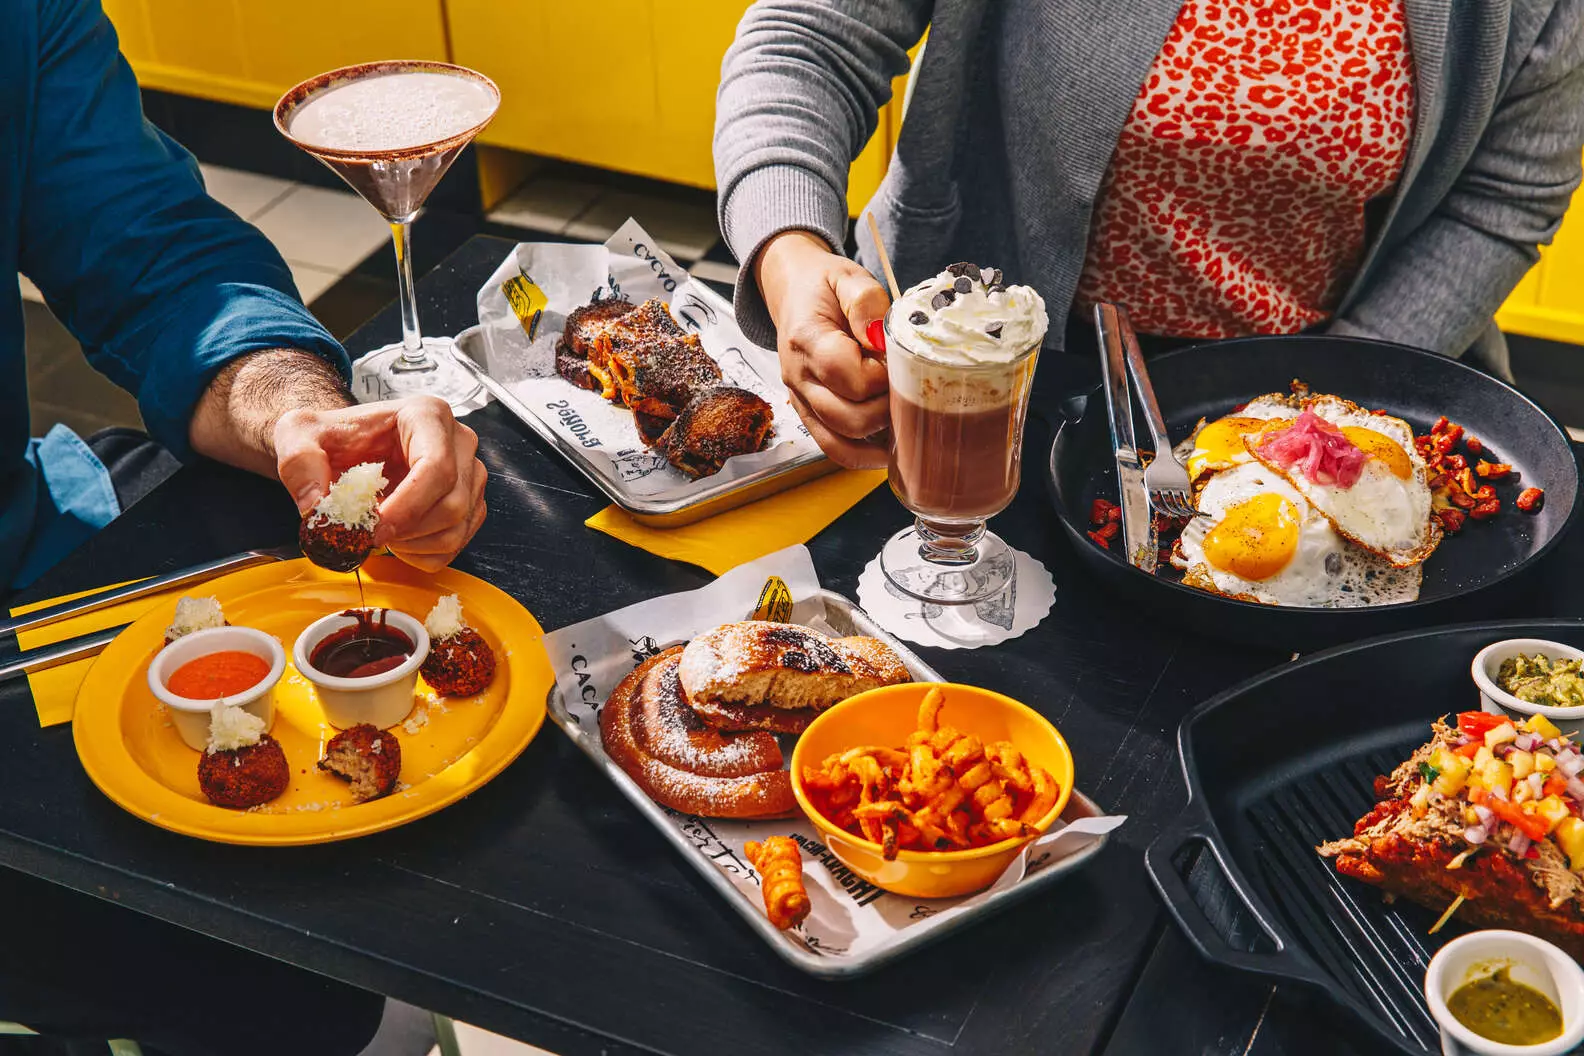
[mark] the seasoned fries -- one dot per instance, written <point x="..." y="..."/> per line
<point x="945" y="790"/>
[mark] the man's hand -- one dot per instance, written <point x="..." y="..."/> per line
<point x="288" y="414"/>
<point x="435" y="502"/>
<point x="822" y="305"/>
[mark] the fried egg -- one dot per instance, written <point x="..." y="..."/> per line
<point x="1218" y="445"/>
<point x="1387" y="510"/>
<point x="1261" y="540"/>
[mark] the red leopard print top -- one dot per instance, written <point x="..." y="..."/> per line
<point x="1235" y="200"/>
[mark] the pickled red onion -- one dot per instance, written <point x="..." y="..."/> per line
<point x="1318" y="448"/>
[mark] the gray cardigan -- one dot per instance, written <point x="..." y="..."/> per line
<point x="1016" y="108"/>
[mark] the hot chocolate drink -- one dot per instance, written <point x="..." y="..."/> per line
<point x="960" y="353"/>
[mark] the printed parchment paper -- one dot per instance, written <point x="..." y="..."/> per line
<point x="523" y="309"/>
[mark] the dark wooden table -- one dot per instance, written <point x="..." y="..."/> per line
<point x="545" y="908"/>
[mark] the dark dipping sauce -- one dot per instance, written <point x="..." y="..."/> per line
<point x="368" y="647"/>
<point x="1496" y="1007"/>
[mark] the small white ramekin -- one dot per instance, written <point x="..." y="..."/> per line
<point x="381" y="700"/>
<point x="191" y="717"/>
<point x="1494" y="699"/>
<point x="1533" y="962"/>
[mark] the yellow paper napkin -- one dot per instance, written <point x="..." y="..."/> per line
<point x="55" y="690"/>
<point x="724" y="541"/>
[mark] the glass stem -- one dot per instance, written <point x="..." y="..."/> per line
<point x="412" y="355"/>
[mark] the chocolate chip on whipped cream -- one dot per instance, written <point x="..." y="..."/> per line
<point x="965" y="316"/>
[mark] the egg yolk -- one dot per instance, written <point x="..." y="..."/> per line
<point x="1256" y="539"/>
<point x="1381" y="446"/>
<point x="1220" y="444"/>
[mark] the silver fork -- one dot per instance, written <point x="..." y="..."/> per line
<point x="1165" y="479"/>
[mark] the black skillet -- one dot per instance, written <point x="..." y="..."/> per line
<point x="1284" y="762"/>
<point x="1209" y="380"/>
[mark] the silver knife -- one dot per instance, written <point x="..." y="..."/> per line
<point x="169" y="581"/>
<point x="1138" y="522"/>
<point x="47" y="656"/>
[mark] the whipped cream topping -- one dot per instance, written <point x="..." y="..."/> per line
<point x="967" y="316"/>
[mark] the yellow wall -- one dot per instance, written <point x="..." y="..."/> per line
<point x="624" y="84"/>
<point x="1549" y="302"/>
<point x="250" y="51"/>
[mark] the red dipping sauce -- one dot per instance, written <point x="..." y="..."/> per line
<point x="222" y="674"/>
<point x="368" y="647"/>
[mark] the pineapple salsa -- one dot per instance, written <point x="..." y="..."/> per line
<point x="1515" y="784"/>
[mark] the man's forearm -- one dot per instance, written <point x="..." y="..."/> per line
<point x="234" y="421"/>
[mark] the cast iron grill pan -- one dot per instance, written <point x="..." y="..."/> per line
<point x="1209" y="380"/>
<point x="1286" y="761"/>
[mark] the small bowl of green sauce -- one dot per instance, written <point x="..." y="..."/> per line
<point x="1531" y="676"/>
<point x="1504" y="993"/>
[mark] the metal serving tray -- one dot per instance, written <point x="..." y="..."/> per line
<point x="472" y="353"/>
<point x="842" y="617"/>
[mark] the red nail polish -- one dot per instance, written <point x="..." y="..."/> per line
<point x="875" y="331"/>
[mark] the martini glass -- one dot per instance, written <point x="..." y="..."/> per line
<point x="391" y="129"/>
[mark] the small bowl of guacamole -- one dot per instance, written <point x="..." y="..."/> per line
<point x="1531" y="676"/>
<point x="1499" y="993"/>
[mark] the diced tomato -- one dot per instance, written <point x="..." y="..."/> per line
<point x="1478" y="723"/>
<point x="1554" y="786"/>
<point x="1478" y="795"/>
<point x="1467" y="751"/>
<point x="1531" y="825"/>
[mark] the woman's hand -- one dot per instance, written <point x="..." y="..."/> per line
<point x="435" y="502"/>
<point x="822" y="305"/>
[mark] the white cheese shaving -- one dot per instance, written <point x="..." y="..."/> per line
<point x="195" y="614"/>
<point x="352" y="499"/>
<point x="445" y="619"/>
<point x="231" y="727"/>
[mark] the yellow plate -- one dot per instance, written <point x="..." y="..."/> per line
<point x="132" y="752"/>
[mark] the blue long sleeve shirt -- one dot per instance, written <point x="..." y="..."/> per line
<point x="160" y="283"/>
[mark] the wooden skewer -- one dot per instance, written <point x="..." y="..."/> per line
<point x="885" y="258"/>
<point x="1456" y="902"/>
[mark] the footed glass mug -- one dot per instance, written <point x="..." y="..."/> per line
<point x="956" y="461"/>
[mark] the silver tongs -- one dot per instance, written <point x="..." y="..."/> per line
<point x="93" y="644"/>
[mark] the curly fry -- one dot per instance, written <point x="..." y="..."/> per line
<point x="780" y="865"/>
<point x="1009" y="766"/>
<point x="930" y="709"/>
<point x="1045" y="792"/>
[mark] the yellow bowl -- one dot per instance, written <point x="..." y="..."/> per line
<point x="886" y="717"/>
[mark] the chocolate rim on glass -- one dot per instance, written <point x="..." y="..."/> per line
<point x="395" y="177"/>
<point x="956" y="461"/>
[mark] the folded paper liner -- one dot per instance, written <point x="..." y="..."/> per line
<point x="55" y="690"/>
<point x="747" y="533"/>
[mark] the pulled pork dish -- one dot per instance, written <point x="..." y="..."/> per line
<point x="1488" y="811"/>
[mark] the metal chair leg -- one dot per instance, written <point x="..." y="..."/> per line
<point x="445" y="1035"/>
